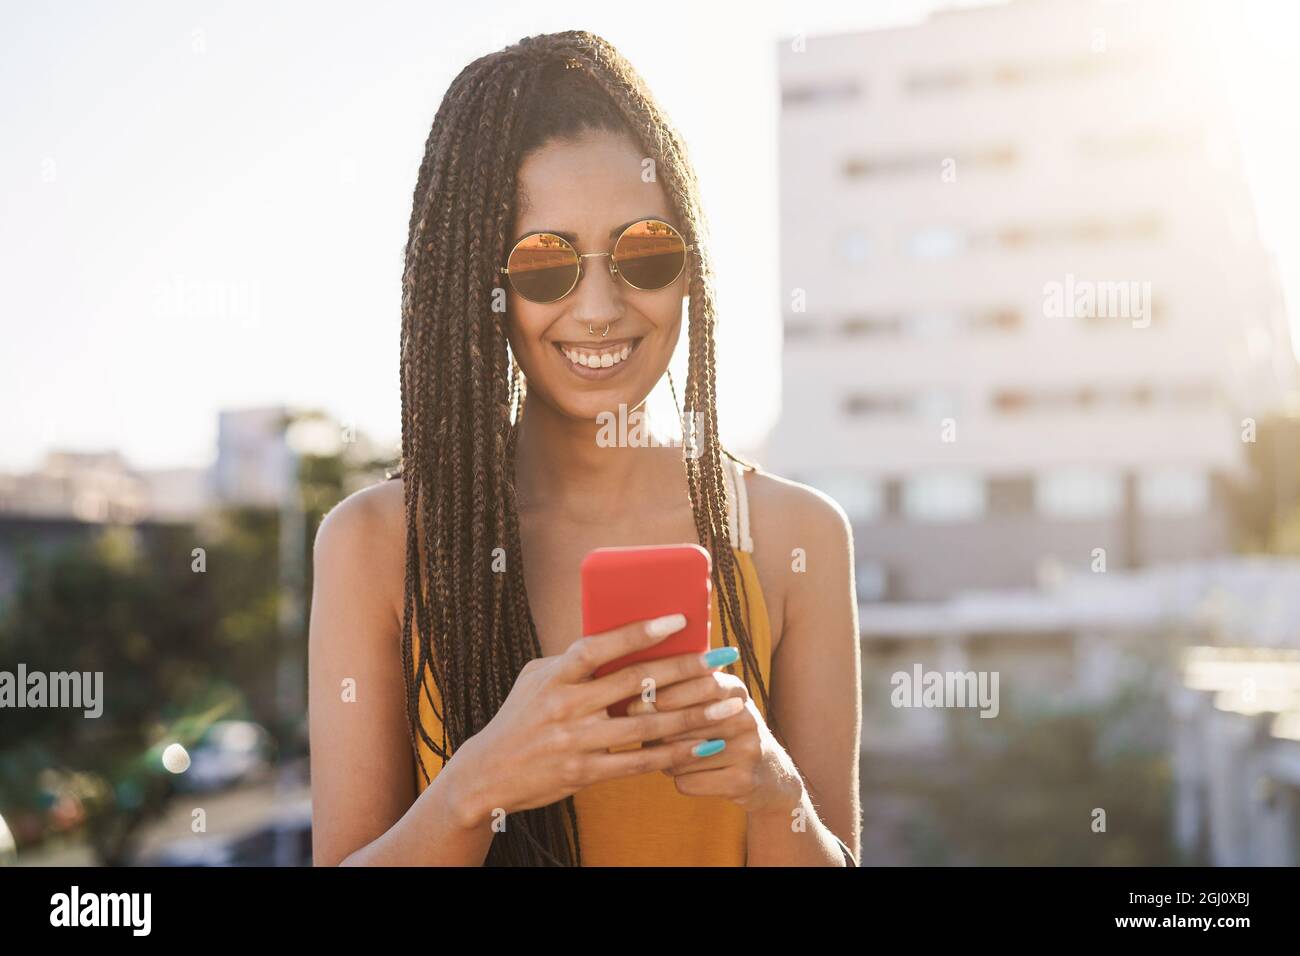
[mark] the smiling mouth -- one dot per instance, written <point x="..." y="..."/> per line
<point x="603" y="356"/>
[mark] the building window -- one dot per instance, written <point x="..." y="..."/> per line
<point x="860" y="404"/>
<point x="927" y="324"/>
<point x="929" y="164"/>
<point x="821" y="93"/>
<point x="935" y="242"/>
<point x="872" y="579"/>
<point x="1143" y="142"/>
<point x="938" y="81"/>
<point x="932" y="324"/>
<point x="1021" y="73"/>
<point x="1086" y="398"/>
<point x="854" y="247"/>
<point x="1008" y="401"/>
<point x="1011" y="496"/>
<point x="1196" y="393"/>
<point x="949" y="496"/>
<point x="1174" y="492"/>
<point x="1079" y="493"/>
<point x="801" y="327"/>
<point x="858" y="325"/>
<point x="935" y="405"/>
<point x="862" y="498"/>
<point x="1142" y="226"/>
<point x="996" y="320"/>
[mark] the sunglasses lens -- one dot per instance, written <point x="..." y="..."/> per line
<point x="650" y="254"/>
<point x="543" y="267"/>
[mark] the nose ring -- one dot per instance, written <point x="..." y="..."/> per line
<point x="591" y="331"/>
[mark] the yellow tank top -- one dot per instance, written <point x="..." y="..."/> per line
<point x="643" y="820"/>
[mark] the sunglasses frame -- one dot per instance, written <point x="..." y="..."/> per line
<point x="613" y="263"/>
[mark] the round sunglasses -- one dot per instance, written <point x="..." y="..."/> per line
<point x="648" y="255"/>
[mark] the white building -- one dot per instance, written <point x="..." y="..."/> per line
<point x="254" y="466"/>
<point x="254" y="460"/>
<point x="1028" y="310"/>
<point x="86" y="486"/>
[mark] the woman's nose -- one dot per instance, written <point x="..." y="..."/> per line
<point x="598" y="297"/>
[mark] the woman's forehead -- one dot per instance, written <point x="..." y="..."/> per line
<point x="586" y="189"/>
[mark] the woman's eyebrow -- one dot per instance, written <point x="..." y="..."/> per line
<point x="573" y="238"/>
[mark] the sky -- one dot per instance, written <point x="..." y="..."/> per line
<point x="204" y="206"/>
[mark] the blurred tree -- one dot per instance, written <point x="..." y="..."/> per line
<point x="1024" y="793"/>
<point x="124" y="603"/>
<point x="1267" y="505"/>
<point x="179" y="648"/>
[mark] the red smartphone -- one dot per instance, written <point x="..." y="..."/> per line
<point x="622" y="585"/>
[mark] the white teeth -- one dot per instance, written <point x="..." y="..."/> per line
<point x="597" y="359"/>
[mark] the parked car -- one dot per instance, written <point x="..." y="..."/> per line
<point x="230" y="752"/>
<point x="284" y="840"/>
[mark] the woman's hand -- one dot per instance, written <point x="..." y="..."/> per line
<point x="752" y="769"/>
<point x="551" y="736"/>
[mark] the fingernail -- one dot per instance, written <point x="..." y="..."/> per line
<point x="708" y="748"/>
<point x="668" y="624"/>
<point x="721" y="656"/>
<point x="724" y="708"/>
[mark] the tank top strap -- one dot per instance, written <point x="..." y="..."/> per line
<point x="733" y="474"/>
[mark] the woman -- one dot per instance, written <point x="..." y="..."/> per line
<point x="554" y="239"/>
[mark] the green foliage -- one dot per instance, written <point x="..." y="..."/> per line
<point x="179" y="648"/>
<point x="1267" y="506"/>
<point x="1025" y="792"/>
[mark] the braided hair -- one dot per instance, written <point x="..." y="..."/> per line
<point x="468" y="629"/>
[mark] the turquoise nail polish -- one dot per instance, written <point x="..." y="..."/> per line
<point x="708" y="748"/>
<point x="721" y="656"/>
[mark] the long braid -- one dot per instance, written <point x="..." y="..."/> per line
<point x="467" y="630"/>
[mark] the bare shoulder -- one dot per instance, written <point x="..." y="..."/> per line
<point x="363" y="538"/>
<point x="796" y="528"/>
<point x="367" y="518"/>
<point x="785" y="514"/>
